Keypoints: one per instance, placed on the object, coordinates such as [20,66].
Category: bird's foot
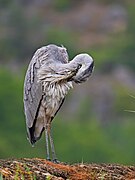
[48,159]
[56,161]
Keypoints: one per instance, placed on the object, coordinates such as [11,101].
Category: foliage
[93,143]
[62,37]
[22,170]
[76,140]
[22,34]
[88,140]
[62,4]
[121,47]
[1,177]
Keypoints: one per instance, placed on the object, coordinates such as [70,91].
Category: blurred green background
[92,125]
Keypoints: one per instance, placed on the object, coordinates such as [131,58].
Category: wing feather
[33,88]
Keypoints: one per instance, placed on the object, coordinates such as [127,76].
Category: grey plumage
[48,79]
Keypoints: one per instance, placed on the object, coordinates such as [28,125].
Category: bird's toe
[56,161]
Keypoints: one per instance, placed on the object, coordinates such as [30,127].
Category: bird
[49,77]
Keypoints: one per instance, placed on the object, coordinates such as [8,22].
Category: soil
[34,169]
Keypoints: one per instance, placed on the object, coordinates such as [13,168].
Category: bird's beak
[91,67]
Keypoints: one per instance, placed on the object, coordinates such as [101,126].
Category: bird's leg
[52,148]
[47,144]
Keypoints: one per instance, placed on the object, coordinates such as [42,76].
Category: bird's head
[87,66]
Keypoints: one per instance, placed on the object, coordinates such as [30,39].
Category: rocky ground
[34,169]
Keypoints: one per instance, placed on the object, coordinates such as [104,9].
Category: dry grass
[33,169]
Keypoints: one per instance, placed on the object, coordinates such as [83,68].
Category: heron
[49,77]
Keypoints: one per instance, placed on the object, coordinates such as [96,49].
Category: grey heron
[48,79]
